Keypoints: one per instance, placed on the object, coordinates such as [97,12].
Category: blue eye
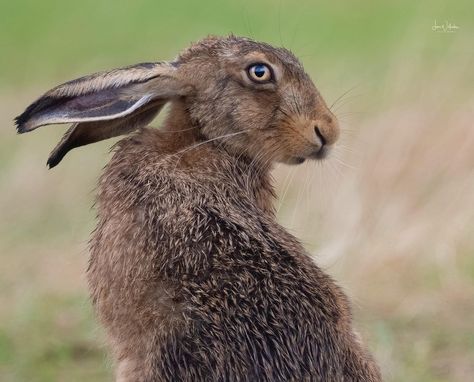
[260,73]
[260,70]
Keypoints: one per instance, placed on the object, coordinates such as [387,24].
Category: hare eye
[260,73]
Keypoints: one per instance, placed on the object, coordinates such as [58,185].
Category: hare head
[256,95]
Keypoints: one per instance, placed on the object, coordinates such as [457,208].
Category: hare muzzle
[326,131]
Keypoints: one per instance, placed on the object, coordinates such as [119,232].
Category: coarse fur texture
[190,273]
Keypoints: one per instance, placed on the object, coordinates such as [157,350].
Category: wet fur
[190,273]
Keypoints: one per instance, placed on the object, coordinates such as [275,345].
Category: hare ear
[81,134]
[104,105]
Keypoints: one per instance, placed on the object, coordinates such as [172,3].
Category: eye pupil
[260,71]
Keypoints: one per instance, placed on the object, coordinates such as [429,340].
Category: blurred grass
[53,338]
[391,216]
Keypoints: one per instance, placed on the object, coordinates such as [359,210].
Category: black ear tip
[20,124]
[58,154]
[25,122]
[53,161]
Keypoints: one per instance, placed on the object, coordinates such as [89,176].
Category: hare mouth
[321,153]
[294,160]
[318,154]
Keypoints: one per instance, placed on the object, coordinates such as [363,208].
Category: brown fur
[190,274]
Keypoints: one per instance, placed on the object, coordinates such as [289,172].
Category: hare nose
[319,135]
[327,130]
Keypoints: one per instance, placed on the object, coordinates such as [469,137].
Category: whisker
[177,131]
[183,151]
[298,197]
[344,102]
[210,140]
[344,164]
[342,95]
[287,183]
[341,147]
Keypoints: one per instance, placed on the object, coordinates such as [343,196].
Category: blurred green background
[390,216]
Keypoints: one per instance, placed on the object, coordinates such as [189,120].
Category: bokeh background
[390,215]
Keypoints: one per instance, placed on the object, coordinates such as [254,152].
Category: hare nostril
[320,136]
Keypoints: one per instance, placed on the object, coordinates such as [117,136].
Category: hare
[190,273]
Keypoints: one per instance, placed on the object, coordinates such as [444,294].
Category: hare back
[196,282]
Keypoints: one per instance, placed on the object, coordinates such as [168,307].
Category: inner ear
[105,105]
[102,96]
